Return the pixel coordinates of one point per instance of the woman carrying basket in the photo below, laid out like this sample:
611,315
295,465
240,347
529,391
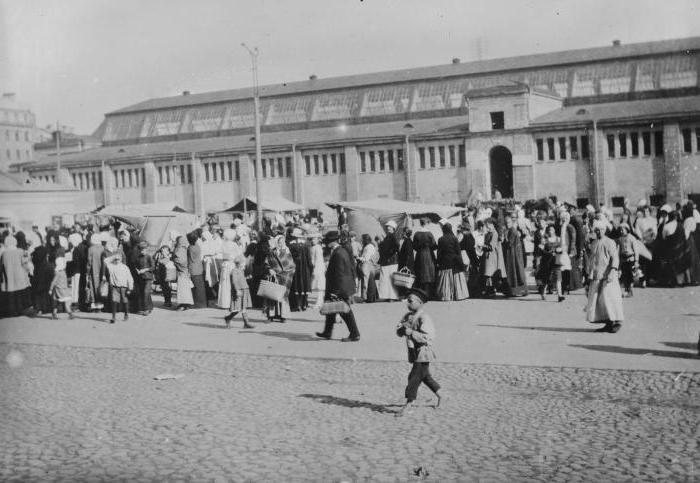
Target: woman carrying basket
280,265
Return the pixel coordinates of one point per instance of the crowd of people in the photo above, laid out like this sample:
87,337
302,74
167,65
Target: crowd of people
487,252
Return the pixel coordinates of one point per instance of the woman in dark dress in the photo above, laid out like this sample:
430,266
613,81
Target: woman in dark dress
301,283
451,281
196,269
423,245
280,264
41,280
468,244
514,260
388,263
54,248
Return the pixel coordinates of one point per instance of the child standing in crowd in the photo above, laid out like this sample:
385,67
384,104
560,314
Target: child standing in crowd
122,283
60,293
629,258
240,294
165,273
418,329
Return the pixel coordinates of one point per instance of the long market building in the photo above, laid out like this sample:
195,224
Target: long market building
593,125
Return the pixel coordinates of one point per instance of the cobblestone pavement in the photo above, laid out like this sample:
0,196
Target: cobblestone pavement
77,414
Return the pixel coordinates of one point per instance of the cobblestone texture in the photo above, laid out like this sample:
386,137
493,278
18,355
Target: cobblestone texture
80,414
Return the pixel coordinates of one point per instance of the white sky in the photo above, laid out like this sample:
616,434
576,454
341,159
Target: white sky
74,60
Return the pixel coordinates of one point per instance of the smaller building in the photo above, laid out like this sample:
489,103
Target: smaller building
25,202
17,131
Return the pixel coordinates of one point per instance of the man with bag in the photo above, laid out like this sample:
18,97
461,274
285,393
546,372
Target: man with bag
340,288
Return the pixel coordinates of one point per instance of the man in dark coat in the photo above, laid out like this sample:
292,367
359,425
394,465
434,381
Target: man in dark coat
340,281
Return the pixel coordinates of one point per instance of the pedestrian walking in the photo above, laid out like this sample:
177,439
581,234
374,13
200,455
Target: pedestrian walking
340,283
240,293
419,331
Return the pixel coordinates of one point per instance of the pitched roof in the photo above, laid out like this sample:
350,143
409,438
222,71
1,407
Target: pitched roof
246,142
566,57
648,109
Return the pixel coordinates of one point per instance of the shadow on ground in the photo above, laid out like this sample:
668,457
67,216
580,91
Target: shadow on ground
352,403
294,337
75,316
544,329
636,352
207,325
691,346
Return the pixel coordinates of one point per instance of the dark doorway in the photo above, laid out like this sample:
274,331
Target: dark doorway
501,164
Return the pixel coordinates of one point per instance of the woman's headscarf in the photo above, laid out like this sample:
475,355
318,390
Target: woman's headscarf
10,242
112,244
21,240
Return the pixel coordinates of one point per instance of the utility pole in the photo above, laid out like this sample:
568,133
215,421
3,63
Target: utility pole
58,151
258,146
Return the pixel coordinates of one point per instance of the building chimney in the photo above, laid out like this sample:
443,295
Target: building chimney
313,77
456,60
185,93
616,43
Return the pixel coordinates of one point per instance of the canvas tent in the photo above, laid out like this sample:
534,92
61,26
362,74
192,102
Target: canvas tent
269,204
154,225
369,216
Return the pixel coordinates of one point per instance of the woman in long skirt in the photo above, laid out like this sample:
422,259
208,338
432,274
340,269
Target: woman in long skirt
184,283
514,260
604,294
41,280
424,244
15,292
301,283
195,265
94,270
318,282
492,268
451,279
281,267
388,263
368,266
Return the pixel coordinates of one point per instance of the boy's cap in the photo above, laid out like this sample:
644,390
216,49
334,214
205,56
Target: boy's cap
420,293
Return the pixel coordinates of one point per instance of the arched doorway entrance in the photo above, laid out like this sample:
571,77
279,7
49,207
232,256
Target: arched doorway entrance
501,166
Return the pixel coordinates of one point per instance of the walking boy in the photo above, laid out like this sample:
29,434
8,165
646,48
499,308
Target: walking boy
418,329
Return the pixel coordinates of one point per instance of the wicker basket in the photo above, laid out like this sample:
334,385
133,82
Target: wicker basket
334,306
403,278
271,290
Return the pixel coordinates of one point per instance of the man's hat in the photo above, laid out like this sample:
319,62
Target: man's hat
420,293
331,236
